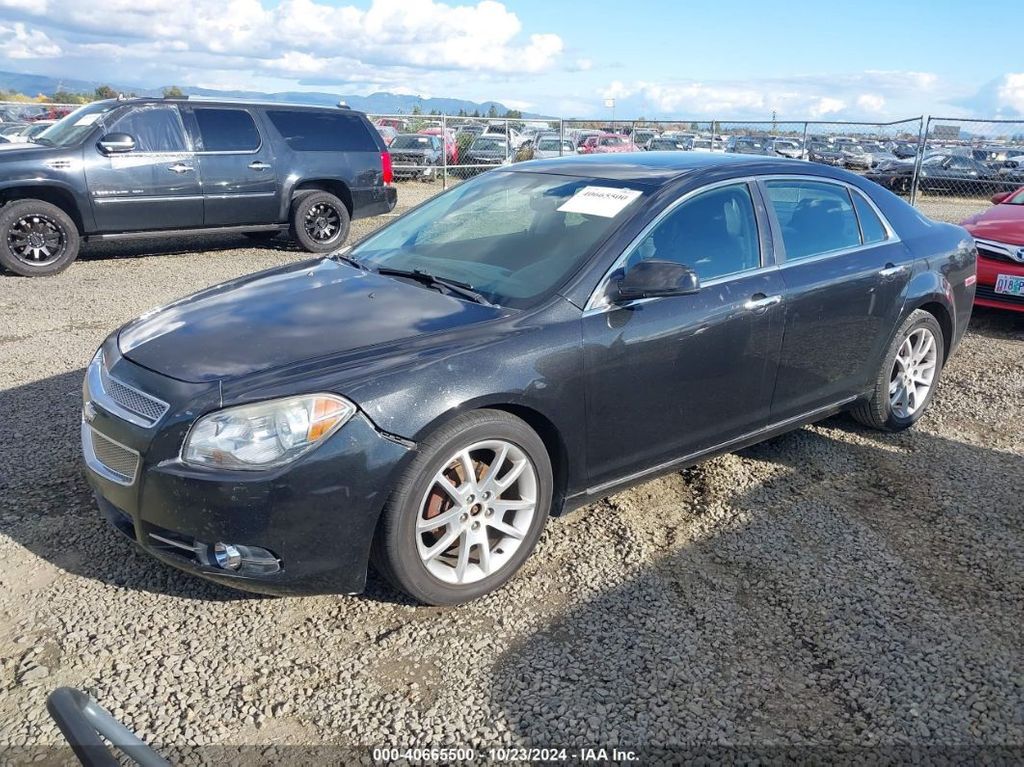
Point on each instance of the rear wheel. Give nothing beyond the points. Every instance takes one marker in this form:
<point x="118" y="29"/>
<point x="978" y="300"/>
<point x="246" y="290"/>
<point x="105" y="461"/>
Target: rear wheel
<point x="320" y="222"/>
<point x="468" y="511"/>
<point x="908" y="376"/>
<point x="36" y="238"/>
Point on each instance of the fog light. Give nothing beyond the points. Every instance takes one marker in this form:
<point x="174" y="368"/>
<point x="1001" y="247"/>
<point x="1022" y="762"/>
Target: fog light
<point x="227" y="556"/>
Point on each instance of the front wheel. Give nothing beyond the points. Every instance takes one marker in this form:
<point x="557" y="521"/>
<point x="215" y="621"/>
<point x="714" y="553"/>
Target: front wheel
<point x="320" y="222"/>
<point x="36" y="238"/>
<point x="468" y="511"/>
<point x="908" y="376"/>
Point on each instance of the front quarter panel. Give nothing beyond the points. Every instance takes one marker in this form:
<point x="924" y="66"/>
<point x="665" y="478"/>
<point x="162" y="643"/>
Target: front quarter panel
<point x="530" y="361"/>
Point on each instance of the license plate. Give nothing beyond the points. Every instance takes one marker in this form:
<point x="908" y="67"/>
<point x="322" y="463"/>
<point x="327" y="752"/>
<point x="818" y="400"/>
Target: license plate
<point x="1010" y="285"/>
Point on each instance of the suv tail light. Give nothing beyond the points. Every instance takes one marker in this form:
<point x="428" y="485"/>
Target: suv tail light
<point x="385" y="167"/>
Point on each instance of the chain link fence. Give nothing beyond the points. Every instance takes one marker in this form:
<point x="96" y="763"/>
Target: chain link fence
<point x="965" y="163"/>
<point x="948" y="167"/>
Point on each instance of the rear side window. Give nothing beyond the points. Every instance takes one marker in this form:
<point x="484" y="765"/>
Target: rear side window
<point x="227" y="130"/>
<point x="870" y="224"/>
<point x="311" y="131"/>
<point x="815" y="217"/>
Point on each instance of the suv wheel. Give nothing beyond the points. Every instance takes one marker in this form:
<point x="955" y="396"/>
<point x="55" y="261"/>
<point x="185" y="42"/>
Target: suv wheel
<point x="908" y="376"/>
<point x="320" y="222"/>
<point x="468" y="511"/>
<point x="36" y="238"/>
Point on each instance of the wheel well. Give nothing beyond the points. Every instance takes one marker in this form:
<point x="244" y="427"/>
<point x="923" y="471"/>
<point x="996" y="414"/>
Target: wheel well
<point x="53" y="195"/>
<point x="337" y="188"/>
<point x="941" y="315"/>
<point x="554" y="443"/>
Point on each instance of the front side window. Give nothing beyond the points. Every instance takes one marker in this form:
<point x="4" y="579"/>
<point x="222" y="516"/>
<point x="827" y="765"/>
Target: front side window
<point x="227" y="130"/>
<point x="155" y="129"/>
<point x="816" y="217"/>
<point x="506" y="234"/>
<point x="714" y="233"/>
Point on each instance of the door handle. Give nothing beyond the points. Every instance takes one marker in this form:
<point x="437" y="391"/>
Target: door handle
<point x="759" y="302"/>
<point x="257" y="165"/>
<point x="892" y="271"/>
<point x="179" y="167"/>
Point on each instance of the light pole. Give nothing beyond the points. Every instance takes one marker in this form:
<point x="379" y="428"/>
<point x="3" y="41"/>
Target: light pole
<point x="610" y="104"/>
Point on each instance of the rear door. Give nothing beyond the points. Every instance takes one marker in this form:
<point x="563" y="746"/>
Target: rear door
<point x="845" y="274"/>
<point x="237" y="166"/>
<point x="154" y="186"/>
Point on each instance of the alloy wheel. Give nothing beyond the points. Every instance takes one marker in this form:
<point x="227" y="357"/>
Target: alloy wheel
<point x="36" y="240"/>
<point x="913" y="372"/>
<point x="322" y="222"/>
<point x="476" y="512"/>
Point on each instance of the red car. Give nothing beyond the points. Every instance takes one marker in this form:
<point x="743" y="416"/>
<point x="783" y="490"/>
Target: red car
<point x="999" y="232"/>
<point x="451" y="146"/>
<point x="607" y="143"/>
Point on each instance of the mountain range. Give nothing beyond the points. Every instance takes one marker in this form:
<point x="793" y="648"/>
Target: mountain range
<point x="375" y="103"/>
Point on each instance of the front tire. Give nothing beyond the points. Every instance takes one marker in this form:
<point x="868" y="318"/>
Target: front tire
<point x="320" y="222"/>
<point x="468" y="511"/>
<point x="908" y="376"/>
<point x="37" y="238"/>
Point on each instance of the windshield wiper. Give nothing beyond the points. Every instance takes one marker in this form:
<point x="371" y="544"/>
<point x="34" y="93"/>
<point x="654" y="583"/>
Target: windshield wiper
<point x="463" y="289"/>
<point x="350" y="260"/>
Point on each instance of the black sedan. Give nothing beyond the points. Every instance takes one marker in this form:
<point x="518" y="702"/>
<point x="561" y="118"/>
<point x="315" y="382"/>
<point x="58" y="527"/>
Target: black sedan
<point x="939" y="172"/>
<point x="523" y="344"/>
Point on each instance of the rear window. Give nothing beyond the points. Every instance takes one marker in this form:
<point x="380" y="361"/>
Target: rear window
<point x="816" y="217"/>
<point x="870" y="225"/>
<point x="227" y="130"/>
<point x="309" y="131"/>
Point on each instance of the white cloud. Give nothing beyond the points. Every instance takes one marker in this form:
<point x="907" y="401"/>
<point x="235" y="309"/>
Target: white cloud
<point x="1011" y="92"/>
<point x="19" y="42"/>
<point x="871" y="102"/>
<point x="865" y="95"/>
<point x="301" y="37"/>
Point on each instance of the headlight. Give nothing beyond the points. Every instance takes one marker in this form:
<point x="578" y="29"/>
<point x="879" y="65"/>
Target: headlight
<point x="265" y="434"/>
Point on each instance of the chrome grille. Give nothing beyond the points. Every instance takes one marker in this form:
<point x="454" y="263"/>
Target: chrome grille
<point x="122" y="400"/>
<point x="1001" y="251"/>
<point x="108" y="457"/>
<point x="131" y="399"/>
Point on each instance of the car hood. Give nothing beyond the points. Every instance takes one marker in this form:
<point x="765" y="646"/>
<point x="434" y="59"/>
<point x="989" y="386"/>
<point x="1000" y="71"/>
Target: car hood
<point x="1002" y="223"/>
<point x="19" y="150"/>
<point x="287" y="315"/>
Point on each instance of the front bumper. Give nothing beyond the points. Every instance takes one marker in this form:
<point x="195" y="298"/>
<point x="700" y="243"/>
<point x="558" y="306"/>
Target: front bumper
<point x="988" y="271"/>
<point x="317" y="515"/>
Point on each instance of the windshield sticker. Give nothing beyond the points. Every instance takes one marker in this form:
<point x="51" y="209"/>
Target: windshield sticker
<point x="87" y="119"/>
<point x="599" y="201"/>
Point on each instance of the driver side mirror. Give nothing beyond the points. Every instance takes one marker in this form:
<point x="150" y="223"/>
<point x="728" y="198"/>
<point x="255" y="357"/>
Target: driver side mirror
<point x="116" y="143"/>
<point x="655" y="278"/>
<point x="999" y="197"/>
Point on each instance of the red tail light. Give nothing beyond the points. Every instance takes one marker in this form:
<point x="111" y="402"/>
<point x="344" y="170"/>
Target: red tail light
<point x="385" y="167"/>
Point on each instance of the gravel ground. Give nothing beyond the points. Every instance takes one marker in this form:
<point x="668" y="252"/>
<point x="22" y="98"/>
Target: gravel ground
<point x="834" y="587"/>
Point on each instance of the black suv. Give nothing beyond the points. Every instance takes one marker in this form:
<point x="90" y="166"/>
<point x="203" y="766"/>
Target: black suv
<point x="149" y="167"/>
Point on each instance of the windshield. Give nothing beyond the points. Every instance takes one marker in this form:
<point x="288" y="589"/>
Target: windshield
<point x="702" y="144"/>
<point x="69" y="130"/>
<point x="1017" y="198"/>
<point x="613" y="141"/>
<point x="410" y="142"/>
<point x="504" y="233"/>
<point x="548" y="145"/>
<point x="487" y="144"/>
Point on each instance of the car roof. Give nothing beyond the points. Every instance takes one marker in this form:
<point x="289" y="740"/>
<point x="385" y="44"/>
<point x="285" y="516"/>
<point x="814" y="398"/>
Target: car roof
<point x="659" y="167"/>
<point x="201" y="101"/>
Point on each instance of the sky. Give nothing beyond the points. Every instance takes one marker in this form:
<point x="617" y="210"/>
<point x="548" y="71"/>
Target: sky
<point x="872" y="60"/>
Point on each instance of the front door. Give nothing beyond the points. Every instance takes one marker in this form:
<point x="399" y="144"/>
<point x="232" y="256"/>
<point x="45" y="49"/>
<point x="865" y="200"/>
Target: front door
<point x="667" y="377"/>
<point x="845" y="275"/>
<point x="236" y="162"/>
<point x="154" y="186"/>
